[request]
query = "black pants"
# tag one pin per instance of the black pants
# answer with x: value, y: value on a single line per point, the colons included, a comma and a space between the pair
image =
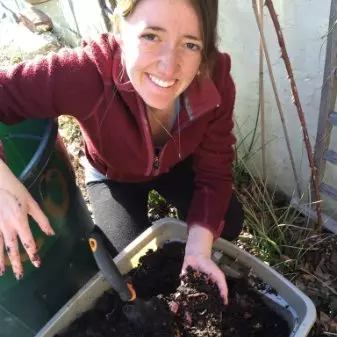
x: 120, y: 209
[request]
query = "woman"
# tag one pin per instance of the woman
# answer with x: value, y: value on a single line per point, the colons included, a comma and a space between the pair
x: 154, y: 101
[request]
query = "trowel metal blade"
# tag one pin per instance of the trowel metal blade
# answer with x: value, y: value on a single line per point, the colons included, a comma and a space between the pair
x: 144, y: 313
x: 134, y: 314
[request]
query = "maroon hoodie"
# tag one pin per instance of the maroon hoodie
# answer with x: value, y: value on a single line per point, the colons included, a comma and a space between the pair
x: 90, y: 84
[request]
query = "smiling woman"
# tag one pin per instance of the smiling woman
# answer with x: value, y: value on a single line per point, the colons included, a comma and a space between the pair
x: 154, y: 100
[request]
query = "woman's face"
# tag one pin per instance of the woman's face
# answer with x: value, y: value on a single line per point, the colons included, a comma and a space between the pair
x: 162, y: 49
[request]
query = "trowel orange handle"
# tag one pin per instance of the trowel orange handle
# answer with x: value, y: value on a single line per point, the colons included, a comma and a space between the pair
x: 108, y: 267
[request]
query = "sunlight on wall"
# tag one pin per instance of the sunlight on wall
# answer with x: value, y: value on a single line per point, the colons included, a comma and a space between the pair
x: 305, y: 24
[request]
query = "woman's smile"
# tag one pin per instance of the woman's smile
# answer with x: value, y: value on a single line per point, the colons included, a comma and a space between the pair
x: 161, y: 83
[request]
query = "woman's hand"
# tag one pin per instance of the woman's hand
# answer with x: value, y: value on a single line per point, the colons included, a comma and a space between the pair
x: 198, y: 256
x: 15, y: 205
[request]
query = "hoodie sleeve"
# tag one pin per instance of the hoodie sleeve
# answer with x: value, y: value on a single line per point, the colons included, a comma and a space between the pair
x: 213, y: 162
x: 67, y: 82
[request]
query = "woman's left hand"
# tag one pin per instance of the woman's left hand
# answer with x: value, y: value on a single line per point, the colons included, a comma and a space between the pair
x: 198, y: 256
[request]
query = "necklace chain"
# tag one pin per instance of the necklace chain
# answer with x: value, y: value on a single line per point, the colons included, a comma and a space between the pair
x: 162, y: 125
x: 168, y: 132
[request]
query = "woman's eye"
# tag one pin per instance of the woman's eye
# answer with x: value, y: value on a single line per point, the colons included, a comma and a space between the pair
x: 149, y: 37
x: 193, y: 46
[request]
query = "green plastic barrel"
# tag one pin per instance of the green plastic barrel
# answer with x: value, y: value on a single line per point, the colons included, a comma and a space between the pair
x: 36, y: 154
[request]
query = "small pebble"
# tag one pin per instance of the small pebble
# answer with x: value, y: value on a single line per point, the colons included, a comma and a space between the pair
x: 217, y: 256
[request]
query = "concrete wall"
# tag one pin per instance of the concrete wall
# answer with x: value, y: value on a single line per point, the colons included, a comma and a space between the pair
x: 305, y: 24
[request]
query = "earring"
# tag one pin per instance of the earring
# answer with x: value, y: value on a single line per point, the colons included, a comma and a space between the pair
x: 198, y: 73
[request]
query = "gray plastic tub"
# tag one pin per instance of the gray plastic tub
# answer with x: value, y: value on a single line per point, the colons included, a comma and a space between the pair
x: 291, y: 303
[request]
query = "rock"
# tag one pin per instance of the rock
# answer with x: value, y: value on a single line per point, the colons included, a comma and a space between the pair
x: 217, y: 256
x: 35, y: 20
x: 35, y: 2
x: 18, y: 42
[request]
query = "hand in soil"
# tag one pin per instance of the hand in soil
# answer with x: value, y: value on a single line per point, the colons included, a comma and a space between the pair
x: 198, y: 307
x: 198, y: 256
x: 207, y: 266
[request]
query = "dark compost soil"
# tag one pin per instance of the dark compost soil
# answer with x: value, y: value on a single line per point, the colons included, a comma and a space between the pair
x: 193, y: 302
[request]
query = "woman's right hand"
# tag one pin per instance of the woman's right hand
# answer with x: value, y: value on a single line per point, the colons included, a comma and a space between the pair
x: 16, y: 204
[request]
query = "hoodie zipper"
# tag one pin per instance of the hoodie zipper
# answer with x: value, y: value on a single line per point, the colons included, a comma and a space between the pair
x: 155, y: 165
x: 154, y: 159
x: 148, y: 138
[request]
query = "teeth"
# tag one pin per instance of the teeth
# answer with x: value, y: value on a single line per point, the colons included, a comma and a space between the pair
x: 161, y: 83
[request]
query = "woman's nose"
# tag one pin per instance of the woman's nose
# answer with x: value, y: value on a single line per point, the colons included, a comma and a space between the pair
x: 168, y: 62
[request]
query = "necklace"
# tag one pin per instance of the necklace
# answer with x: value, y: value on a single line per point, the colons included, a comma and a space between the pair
x: 168, y: 132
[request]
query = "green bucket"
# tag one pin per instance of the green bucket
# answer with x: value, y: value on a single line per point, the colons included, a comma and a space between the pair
x: 36, y: 154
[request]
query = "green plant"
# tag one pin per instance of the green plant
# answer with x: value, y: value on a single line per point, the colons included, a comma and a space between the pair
x: 158, y: 207
x: 16, y: 59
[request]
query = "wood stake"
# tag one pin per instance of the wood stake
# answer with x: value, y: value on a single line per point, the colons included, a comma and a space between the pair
x: 261, y: 98
x: 285, y: 57
x: 278, y: 102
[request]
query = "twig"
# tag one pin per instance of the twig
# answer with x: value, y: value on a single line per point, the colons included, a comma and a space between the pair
x: 284, y: 55
x: 271, y: 74
x: 318, y: 279
x: 261, y: 96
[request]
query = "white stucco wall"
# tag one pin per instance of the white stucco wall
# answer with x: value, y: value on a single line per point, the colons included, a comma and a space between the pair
x: 304, y: 23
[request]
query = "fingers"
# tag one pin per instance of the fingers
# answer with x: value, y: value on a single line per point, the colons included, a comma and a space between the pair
x: 28, y: 242
x: 12, y: 248
x: 2, y: 255
x: 35, y: 211
x: 9, y: 219
x: 14, y: 225
x: 218, y: 277
x: 222, y: 285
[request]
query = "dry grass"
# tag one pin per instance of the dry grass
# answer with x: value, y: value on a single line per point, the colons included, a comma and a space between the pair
x: 279, y: 235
